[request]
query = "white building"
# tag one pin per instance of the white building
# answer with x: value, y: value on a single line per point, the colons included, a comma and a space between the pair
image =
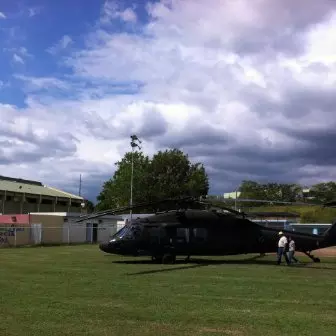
x: 94, y: 230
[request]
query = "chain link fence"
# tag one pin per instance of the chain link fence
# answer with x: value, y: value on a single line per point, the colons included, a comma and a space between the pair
x: 37, y: 234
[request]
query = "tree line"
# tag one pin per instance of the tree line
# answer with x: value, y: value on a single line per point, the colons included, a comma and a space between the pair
x: 316, y: 194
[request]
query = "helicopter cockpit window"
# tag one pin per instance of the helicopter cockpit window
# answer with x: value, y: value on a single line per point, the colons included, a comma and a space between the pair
x: 129, y: 231
x: 121, y: 232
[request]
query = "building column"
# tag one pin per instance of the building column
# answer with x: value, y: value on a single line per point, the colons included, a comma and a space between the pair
x: 23, y: 200
x: 4, y: 197
x: 55, y: 203
x: 39, y: 201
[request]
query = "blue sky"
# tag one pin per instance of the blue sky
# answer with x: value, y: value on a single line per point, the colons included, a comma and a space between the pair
x: 32, y: 28
x: 247, y: 90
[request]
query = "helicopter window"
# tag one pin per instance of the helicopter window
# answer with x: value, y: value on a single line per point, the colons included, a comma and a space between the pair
x: 133, y: 232
x: 153, y: 231
x: 182, y: 235
x: 121, y: 232
x: 153, y: 234
x: 129, y: 231
x: 200, y: 234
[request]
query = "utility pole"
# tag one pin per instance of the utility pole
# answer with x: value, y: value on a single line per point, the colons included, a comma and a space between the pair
x: 236, y: 201
x: 236, y: 198
x: 80, y: 185
x: 134, y: 143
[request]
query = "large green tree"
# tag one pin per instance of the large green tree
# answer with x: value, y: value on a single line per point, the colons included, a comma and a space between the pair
x: 168, y: 174
x: 116, y: 192
x: 171, y: 174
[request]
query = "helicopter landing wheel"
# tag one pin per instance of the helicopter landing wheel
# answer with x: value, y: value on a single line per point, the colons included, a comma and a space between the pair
x: 157, y: 259
x: 169, y: 259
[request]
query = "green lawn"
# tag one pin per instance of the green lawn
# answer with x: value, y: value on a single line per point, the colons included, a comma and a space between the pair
x: 77, y: 290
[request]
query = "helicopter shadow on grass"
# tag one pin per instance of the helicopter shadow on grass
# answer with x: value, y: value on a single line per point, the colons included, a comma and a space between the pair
x: 196, y: 263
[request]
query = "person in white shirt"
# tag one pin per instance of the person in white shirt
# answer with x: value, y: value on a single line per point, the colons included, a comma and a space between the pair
x: 291, y: 250
x: 282, y: 243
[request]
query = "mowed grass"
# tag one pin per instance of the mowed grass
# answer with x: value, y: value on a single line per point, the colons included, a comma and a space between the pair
x: 78, y: 290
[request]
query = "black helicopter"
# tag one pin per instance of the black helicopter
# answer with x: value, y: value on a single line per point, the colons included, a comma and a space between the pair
x: 192, y: 230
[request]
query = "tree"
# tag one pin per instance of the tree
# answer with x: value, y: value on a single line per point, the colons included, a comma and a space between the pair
x: 172, y: 174
x: 324, y: 192
x: 116, y: 192
x: 168, y: 174
x: 89, y: 206
x: 270, y: 192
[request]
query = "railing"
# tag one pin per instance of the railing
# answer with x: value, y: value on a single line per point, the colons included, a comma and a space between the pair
x: 36, y: 234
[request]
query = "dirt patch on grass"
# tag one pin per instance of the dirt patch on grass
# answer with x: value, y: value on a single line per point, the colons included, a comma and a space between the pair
x: 326, y: 252
x: 222, y: 331
x: 330, y: 251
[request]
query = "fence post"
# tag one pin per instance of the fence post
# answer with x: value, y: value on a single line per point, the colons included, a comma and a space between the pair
x: 15, y: 236
x: 91, y: 233
x: 68, y: 233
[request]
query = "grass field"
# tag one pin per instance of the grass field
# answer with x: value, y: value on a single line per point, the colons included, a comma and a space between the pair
x: 77, y: 290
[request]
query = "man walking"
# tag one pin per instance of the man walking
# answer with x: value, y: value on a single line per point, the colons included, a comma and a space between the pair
x: 291, y: 250
x: 282, y: 248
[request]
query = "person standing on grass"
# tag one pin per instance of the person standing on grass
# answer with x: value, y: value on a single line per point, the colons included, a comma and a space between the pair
x: 291, y: 250
x: 282, y: 243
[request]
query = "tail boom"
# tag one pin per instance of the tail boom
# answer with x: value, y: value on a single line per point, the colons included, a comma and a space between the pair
x: 330, y: 236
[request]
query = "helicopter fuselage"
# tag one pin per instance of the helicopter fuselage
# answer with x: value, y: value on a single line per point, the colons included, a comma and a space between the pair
x: 201, y: 233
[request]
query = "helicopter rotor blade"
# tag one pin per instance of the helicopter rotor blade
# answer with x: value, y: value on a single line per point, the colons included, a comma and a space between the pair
x: 222, y: 199
x: 331, y: 204
x: 189, y: 200
x: 178, y: 200
x: 236, y: 212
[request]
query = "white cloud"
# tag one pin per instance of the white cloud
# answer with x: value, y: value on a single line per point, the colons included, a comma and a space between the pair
x: 33, y: 11
x: 19, y: 54
x: 224, y: 80
x: 2, y: 15
x: 62, y: 44
x: 37, y: 83
x: 18, y: 59
x: 111, y: 11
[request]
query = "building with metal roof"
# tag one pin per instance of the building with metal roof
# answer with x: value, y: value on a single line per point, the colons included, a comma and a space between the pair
x: 20, y: 196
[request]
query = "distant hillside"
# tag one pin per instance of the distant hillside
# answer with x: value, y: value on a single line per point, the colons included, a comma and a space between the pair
x: 308, y: 214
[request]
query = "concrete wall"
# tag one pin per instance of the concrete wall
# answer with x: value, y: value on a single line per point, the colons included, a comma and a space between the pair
x: 14, y: 235
x: 74, y: 233
x: 52, y: 227
x: 14, y: 230
x: 106, y: 231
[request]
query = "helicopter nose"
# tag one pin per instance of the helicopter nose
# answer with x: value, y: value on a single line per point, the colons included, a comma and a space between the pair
x: 106, y: 247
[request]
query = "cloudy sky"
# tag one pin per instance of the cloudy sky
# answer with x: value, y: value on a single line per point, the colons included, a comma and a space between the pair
x: 246, y: 87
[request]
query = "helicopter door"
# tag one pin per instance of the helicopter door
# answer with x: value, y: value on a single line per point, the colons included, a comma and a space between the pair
x: 181, y: 240
x: 199, y: 241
